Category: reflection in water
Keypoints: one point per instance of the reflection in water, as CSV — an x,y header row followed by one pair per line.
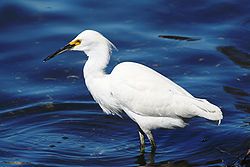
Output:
x,y
142,161
244,160
242,97
179,37
235,91
64,129
237,56
170,163
242,103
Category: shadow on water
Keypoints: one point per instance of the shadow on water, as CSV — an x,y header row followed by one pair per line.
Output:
x,y
237,56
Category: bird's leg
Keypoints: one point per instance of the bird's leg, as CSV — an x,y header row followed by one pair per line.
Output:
x,y
151,156
151,139
142,141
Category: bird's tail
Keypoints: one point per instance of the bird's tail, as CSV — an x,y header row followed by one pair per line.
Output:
x,y
207,110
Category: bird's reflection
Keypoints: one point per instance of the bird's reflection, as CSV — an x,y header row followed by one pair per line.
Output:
x,y
147,159
150,159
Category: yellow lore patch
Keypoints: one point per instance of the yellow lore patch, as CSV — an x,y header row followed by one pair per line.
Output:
x,y
76,42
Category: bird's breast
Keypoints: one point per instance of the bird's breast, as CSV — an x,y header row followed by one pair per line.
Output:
x,y
100,90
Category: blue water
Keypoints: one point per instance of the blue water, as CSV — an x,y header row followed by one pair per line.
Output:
x,y
48,117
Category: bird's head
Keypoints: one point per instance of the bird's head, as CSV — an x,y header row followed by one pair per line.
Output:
x,y
86,41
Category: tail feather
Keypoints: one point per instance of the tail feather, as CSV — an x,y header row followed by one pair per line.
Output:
x,y
208,110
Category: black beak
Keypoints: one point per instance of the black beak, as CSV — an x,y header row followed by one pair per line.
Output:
x,y
60,51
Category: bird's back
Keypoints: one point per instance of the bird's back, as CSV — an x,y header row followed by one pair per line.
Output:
x,y
142,77
148,93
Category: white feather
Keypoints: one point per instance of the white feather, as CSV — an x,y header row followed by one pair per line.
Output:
x,y
146,96
147,93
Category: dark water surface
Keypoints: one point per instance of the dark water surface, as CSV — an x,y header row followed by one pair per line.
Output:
x,y
48,118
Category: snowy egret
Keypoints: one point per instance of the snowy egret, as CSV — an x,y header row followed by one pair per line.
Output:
x,y
147,97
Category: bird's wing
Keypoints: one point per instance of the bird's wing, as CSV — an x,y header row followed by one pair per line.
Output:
x,y
142,77
146,92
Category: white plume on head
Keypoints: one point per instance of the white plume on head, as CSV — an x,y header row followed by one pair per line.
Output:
x,y
111,45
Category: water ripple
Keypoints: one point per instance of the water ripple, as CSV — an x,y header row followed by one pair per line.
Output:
x,y
48,117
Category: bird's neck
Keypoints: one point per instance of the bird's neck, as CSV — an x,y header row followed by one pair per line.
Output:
x,y
97,62
94,72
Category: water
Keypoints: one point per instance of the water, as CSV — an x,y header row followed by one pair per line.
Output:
x,y
48,117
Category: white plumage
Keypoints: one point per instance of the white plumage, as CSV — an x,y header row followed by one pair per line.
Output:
x,y
146,96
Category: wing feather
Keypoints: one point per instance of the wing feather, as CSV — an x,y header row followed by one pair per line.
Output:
x,y
148,93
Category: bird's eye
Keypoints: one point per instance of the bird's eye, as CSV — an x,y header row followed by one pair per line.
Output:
x,y
78,42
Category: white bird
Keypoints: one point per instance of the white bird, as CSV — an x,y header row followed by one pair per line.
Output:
x,y
147,97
